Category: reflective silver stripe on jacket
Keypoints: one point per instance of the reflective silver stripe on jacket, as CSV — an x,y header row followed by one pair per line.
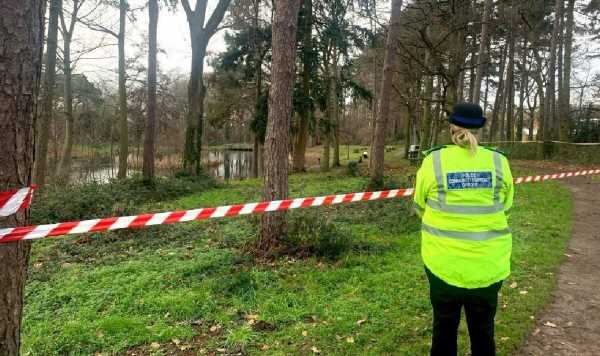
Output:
x,y
441,204
465,209
465,235
499,176
437,169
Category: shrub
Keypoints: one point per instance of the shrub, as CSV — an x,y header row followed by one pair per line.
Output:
x,y
353,168
93,200
311,234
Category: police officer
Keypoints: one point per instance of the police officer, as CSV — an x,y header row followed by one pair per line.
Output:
x,y
463,193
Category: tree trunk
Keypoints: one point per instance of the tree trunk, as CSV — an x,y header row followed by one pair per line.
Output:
x,y
523,90
149,132
486,94
428,95
541,96
559,79
532,116
123,127
437,122
482,57
64,166
19,77
389,64
306,112
336,139
200,34
255,157
326,154
510,83
257,147
408,129
193,140
549,114
565,105
64,169
278,125
41,165
334,110
499,100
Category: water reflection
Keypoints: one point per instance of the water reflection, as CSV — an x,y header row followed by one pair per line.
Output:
x,y
223,164
228,164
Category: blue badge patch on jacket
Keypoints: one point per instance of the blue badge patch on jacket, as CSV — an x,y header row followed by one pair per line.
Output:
x,y
469,180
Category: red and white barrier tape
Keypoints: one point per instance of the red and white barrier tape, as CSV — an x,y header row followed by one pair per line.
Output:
x,y
12,201
529,179
172,217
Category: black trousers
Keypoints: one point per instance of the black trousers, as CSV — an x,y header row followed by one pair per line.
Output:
x,y
480,309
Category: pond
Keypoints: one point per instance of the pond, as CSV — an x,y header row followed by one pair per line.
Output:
x,y
221,164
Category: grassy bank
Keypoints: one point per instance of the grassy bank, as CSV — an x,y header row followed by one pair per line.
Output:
x,y
353,285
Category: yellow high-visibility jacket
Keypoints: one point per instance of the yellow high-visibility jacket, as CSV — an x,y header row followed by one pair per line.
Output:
x,y
463,200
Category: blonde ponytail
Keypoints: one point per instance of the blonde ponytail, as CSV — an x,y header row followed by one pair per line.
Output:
x,y
464,138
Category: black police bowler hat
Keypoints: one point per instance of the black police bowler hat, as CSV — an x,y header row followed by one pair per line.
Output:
x,y
467,115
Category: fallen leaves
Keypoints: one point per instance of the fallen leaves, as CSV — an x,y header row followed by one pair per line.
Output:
x,y
155,345
215,329
513,285
549,324
251,318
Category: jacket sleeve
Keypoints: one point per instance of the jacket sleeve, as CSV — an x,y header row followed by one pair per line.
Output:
x,y
421,187
508,186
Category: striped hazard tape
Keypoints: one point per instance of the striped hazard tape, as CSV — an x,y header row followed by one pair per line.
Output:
x,y
172,217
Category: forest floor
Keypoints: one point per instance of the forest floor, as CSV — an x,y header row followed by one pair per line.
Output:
x,y
352,282
569,325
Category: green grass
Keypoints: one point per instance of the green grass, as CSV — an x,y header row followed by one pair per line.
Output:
x,y
192,284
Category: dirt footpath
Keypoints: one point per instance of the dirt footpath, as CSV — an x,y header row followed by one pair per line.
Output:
x,y
570,324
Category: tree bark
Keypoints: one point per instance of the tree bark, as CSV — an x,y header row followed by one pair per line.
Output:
x,y
510,82
305,114
522,90
64,167
333,109
254,173
427,115
22,38
378,150
41,162
150,129
200,34
532,116
499,100
326,154
549,113
565,105
277,138
541,96
558,99
123,127
482,57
